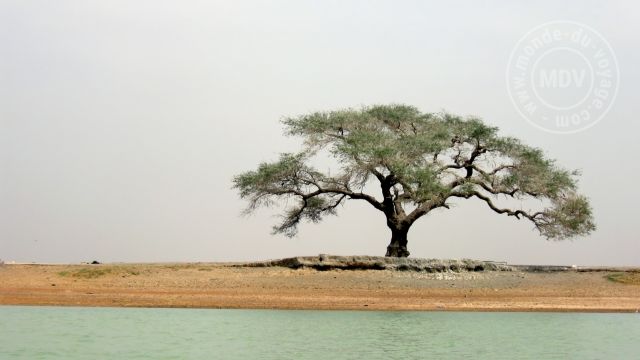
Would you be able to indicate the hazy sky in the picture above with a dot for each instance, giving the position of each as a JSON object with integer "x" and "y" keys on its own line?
{"x": 122, "y": 123}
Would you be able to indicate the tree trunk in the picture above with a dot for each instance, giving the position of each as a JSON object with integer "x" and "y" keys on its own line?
{"x": 398, "y": 245}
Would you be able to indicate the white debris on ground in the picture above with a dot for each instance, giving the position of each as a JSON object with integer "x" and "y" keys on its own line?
{"x": 443, "y": 276}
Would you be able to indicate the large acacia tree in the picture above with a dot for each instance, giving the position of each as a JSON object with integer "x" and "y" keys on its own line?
{"x": 419, "y": 162}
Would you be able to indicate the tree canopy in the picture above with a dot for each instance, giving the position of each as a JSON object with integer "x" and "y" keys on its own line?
{"x": 421, "y": 161}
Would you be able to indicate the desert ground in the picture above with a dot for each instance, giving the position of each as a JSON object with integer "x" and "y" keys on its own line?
{"x": 207, "y": 285}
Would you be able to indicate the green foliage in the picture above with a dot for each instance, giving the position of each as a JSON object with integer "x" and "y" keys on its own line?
{"x": 418, "y": 158}
{"x": 96, "y": 272}
{"x": 311, "y": 209}
{"x": 86, "y": 273}
{"x": 629, "y": 277}
{"x": 568, "y": 217}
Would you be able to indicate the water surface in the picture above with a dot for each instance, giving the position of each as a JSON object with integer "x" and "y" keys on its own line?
{"x": 120, "y": 333}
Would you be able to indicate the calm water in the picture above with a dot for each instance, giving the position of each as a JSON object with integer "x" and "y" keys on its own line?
{"x": 116, "y": 333}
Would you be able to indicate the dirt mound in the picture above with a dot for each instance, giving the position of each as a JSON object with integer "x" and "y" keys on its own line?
{"x": 333, "y": 262}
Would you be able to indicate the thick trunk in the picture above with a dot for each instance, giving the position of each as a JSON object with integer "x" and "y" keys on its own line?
{"x": 398, "y": 245}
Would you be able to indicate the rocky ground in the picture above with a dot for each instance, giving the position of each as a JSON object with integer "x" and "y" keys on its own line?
{"x": 292, "y": 284}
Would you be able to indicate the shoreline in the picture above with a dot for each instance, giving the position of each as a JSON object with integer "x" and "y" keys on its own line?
{"x": 461, "y": 310}
{"x": 225, "y": 286}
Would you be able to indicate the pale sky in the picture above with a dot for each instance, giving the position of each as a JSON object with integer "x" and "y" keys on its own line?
{"x": 122, "y": 123}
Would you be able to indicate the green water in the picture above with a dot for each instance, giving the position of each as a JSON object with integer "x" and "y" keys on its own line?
{"x": 117, "y": 333}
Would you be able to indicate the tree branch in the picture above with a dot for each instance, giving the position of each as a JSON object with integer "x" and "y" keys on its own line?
{"x": 492, "y": 206}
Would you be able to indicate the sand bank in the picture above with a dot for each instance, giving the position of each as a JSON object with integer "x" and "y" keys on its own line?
{"x": 206, "y": 285}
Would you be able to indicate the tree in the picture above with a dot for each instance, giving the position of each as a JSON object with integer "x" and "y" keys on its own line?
{"x": 420, "y": 162}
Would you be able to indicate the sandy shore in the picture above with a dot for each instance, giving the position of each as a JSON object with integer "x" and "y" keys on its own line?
{"x": 218, "y": 286}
